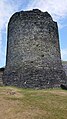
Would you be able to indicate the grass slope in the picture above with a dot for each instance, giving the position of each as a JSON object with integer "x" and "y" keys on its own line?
{"x": 16, "y": 103}
{"x": 64, "y": 62}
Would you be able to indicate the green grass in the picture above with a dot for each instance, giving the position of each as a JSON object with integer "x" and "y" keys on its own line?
{"x": 64, "y": 62}
{"x": 17, "y": 103}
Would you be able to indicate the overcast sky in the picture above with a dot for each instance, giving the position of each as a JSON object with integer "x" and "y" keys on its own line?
{"x": 57, "y": 8}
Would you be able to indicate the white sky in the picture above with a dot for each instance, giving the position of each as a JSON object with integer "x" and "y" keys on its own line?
{"x": 57, "y": 8}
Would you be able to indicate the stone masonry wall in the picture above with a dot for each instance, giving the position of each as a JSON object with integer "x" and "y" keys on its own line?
{"x": 1, "y": 74}
{"x": 33, "y": 52}
{"x": 65, "y": 66}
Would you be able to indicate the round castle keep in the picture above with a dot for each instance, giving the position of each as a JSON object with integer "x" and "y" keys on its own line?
{"x": 33, "y": 52}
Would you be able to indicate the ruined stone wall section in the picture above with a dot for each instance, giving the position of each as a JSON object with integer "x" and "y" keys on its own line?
{"x": 26, "y": 38}
{"x": 1, "y": 74}
{"x": 33, "y": 54}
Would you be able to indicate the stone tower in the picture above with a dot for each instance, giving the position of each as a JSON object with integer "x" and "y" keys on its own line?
{"x": 33, "y": 52}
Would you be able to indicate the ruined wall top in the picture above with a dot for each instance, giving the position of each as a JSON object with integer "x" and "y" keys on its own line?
{"x": 32, "y": 14}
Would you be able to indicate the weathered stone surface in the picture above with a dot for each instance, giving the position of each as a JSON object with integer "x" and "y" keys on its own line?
{"x": 33, "y": 52}
{"x": 63, "y": 86}
{"x": 1, "y": 74}
{"x": 65, "y": 66}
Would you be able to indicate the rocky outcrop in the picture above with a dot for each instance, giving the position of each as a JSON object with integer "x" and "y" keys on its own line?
{"x": 33, "y": 51}
{"x": 63, "y": 86}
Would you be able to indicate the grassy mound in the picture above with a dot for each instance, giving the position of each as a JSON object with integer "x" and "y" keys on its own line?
{"x": 17, "y": 103}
